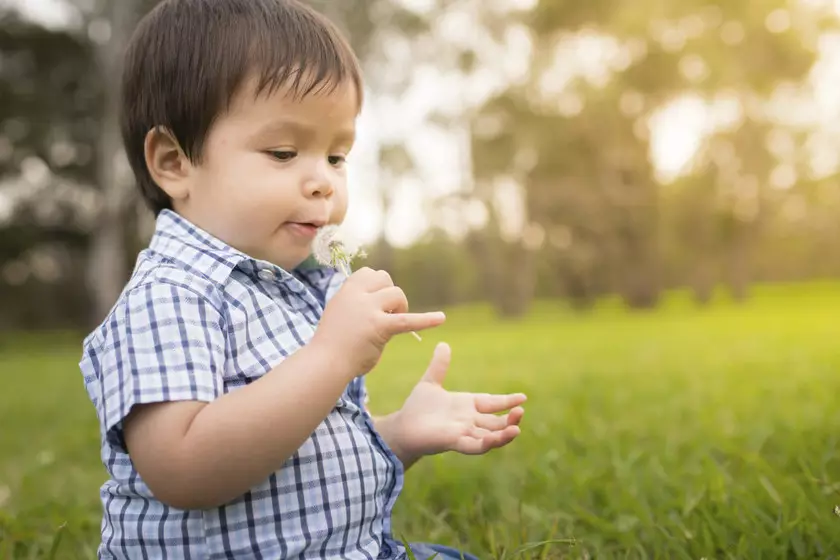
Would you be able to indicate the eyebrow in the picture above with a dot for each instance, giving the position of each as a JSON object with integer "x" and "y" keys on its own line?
{"x": 299, "y": 130}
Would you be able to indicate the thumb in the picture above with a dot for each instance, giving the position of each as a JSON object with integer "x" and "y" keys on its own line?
{"x": 439, "y": 365}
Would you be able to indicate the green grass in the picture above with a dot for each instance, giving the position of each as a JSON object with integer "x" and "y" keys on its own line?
{"x": 681, "y": 433}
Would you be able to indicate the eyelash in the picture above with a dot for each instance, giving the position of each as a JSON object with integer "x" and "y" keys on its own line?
{"x": 287, "y": 155}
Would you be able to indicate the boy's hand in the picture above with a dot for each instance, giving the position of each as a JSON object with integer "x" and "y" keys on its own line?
{"x": 362, "y": 317}
{"x": 434, "y": 420}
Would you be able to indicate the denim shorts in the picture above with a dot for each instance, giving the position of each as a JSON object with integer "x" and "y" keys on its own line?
{"x": 427, "y": 551}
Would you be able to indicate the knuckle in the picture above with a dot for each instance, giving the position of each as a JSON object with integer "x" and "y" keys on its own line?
{"x": 402, "y": 322}
{"x": 380, "y": 326}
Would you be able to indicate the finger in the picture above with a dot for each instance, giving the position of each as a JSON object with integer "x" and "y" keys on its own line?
{"x": 497, "y": 403}
{"x": 436, "y": 372}
{"x": 501, "y": 439}
{"x": 361, "y": 274}
{"x": 370, "y": 280}
{"x": 514, "y": 417}
{"x": 378, "y": 280}
{"x": 398, "y": 323}
{"x": 492, "y": 422}
{"x": 478, "y": 433}
{"x": 471, "y": 446}
{"x": 491, "y": 440}
{"x": 392, "y": 300}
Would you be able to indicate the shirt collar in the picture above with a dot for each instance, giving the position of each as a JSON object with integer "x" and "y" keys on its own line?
{"x": 178, "y": 240}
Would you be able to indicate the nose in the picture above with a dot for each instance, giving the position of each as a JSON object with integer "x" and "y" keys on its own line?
{"x": 319, "y": 182}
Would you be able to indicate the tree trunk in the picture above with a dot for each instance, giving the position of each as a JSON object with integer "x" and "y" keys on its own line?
{"x": 107, "y": 270}
{"x": 579, "y": 290}
{"x": 518, "y": 279}
{"x": 703, "y": 280}
{"x": 640, "y": 283}
{"x": 739, "y": 265}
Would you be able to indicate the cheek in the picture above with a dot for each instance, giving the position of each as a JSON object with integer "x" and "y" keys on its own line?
{"x": 247, "y": 192}
{"x": 341, "y": 197}
{"x": 250, "y": 182}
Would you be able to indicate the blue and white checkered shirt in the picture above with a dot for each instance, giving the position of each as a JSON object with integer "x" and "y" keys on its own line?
{"x": 199, "y": 319}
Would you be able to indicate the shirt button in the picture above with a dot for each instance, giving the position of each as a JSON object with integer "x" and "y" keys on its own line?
{"x": 266, "y": 275}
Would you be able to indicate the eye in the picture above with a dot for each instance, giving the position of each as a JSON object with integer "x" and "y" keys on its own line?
{"x": 337, "y": 160}
{"x": 283, "y": 155}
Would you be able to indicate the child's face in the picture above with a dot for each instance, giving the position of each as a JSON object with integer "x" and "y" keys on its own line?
{"x": 272, "y": 171}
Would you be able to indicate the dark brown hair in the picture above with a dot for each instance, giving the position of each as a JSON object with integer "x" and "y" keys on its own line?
{"x": 188, "y": 58}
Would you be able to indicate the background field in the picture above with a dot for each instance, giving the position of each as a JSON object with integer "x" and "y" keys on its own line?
{"x": 682, "y": 433}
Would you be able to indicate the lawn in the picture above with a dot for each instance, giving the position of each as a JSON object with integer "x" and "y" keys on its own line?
{"x": 682, "y": 433}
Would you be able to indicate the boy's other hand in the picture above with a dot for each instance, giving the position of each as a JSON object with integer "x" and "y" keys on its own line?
{"x": 364, "y": 315}
{"x": 434, "y": 420}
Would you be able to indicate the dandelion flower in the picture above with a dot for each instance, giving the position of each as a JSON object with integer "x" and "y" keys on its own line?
{"x": 329, "y": 250}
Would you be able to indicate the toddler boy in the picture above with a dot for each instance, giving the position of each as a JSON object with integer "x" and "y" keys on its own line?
{"x": 228, "y": 379}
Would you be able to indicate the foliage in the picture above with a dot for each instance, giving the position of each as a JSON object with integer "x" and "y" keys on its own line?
{"x": 581, "y": 147}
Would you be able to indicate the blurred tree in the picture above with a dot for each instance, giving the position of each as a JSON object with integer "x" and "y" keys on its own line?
{"x": 49, "y": 94}
{"x": 58, "y": 121}
{"x": 584, "y": 130}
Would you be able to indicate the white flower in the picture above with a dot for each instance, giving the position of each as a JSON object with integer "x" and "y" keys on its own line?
{"x": 331, "y": 250}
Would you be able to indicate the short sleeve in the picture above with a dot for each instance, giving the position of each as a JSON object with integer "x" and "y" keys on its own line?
{"x": 165, "y": 342}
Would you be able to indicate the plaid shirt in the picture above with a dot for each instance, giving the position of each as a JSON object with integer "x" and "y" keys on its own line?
{"x": 199, "y": 319}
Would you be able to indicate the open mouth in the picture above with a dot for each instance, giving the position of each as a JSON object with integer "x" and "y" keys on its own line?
{"x": 307, "y": 229}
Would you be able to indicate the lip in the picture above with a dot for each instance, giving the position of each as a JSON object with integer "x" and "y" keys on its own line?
{"x": 317, "y": 222}
{"x": 307, "y": 230}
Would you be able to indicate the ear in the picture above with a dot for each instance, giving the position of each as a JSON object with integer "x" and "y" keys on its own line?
{"x": 168, "y": 165}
